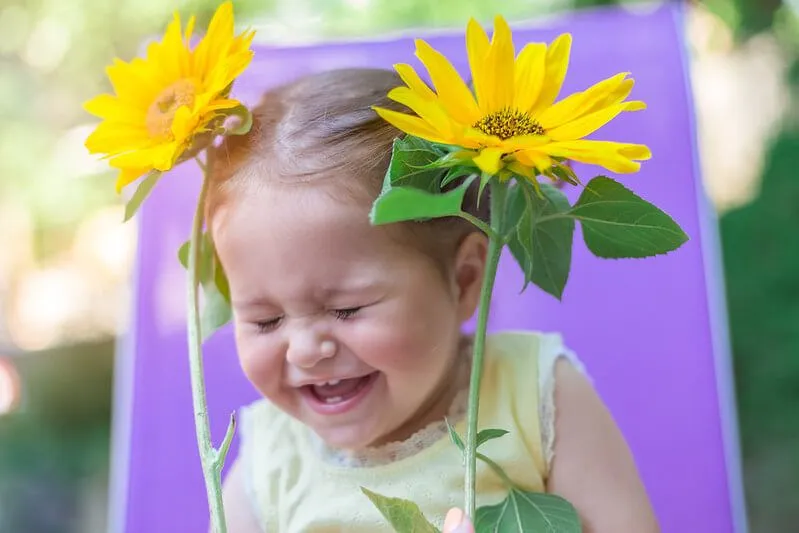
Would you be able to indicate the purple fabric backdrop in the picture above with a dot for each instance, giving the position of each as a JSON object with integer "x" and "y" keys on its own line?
{"x": 652, "y": 332}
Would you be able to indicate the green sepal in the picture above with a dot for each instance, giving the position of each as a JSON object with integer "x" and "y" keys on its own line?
{"x": 413, "y": 164}
{"x": 143, "y": 190}
{"x": 244, "y": 126}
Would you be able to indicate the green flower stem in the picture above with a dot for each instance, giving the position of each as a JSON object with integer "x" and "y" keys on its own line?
{"x": 495, "y": 244}
{"x": 485, "y": 228}
{"x": 211, "y": 459}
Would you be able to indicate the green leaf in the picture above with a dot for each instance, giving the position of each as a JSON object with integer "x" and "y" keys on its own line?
{"x": 526, "y": 512}
{"x": 142, "y": 192}
{"x": 220, "y": 280}
{"x": 204, "y": 262}
{"x": 619, "y": 224}
{"x": 414, "y": 164}
{"x": 542, "y": 244}
{"x": 397, "y": 204}
{"x": 485, "y": 435}
{"x": 403, "y": 515}
{"x": 216, "y": 311}
{"x": 183, "y": 254}
{"x": 455, "y": 438}
{"x": 245, "y": 124}
{"x": 515, "y": 206}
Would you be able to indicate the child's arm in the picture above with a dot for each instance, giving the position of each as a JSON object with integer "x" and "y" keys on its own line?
{"x": 592, "y": 466}
{"x": 238, "y": 509}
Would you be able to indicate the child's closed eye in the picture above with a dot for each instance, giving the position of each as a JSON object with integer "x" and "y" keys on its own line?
{"x": 265, "y": 326}
{"x": 348, "y": 312}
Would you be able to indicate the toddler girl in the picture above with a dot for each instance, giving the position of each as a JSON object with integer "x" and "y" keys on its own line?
{"x": 353, "y": 335}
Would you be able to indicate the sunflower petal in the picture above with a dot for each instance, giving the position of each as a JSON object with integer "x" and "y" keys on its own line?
{"x": 616, "y": 95}
{"x": 499, "y": 69}
{"x": 616, "y": 157}
{"x": 557, "y": 63}
{"x": 159, "y": 157}
{"x": 587, "y": 124}
{"x": 430, "y": 111}
{"x": 110, "y": 108}
{"x": 217, "y": 41}
{"x": 413, "y": 81}
{"x": 489, "y": 160}
{"x": 221, "y": 103}
{"x": 174, "y": 57}
{"x": 639, "y": 152}
{"x": 128, "y": 176}
{"x": 184, "y": 124}
{"x": 111, "y": 138}
{"x": 131, "y": 84}
{"x": 576, "y": 105}
{"x": 189, "y": 31}
{"x": 412, "y": 125}
{"x": 474, "y": 138}
{"x": 530, "y": 69}
{"x": 453, "y": 94}
{"x": 634, "y": 105}
{"x": 477, "y": 47}
{"x": 524, "y": 142}
{"x": 535, "y": 159}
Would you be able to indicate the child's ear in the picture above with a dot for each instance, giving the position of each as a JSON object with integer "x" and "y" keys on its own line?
{"x": 470, "y": 262}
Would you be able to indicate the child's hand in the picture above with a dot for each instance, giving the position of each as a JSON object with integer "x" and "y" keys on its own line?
{"x": 457, "y": 522}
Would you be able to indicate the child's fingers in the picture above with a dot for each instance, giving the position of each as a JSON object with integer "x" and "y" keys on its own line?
{"x": 457, "y": 522}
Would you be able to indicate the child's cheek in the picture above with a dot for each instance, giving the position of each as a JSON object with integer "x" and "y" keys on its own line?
{"x": 259, "y": 364}
{"x": 390, "y": 342}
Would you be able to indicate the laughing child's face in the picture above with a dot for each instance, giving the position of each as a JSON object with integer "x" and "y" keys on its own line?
{"x": 344, "y": 326}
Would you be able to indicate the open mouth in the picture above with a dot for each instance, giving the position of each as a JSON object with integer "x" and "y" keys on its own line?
{"x": 338, "y": 396}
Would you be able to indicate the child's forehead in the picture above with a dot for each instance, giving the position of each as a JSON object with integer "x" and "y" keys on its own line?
{"x": 314, "y": 203}
{"x": 304, "y": 215}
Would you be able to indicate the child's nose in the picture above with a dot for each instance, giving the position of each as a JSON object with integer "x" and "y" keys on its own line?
{"x": 307, "y": 348}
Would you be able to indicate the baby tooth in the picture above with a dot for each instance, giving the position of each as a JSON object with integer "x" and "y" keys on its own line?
{"x": 334, "y": 399}
{"x": 333, "y": 382}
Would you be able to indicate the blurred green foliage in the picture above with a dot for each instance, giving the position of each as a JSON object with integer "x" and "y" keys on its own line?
{"x": 52, "y": 56}
{"x": 761, "y": 258}
{"x": 58, "y": 440}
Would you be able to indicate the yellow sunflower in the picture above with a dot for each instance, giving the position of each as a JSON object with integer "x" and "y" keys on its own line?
{"x": 514, "y": 121}
{"x": 164, "y": 101}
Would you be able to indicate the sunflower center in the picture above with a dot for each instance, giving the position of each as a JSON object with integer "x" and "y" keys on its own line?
{"x": 162, "y": 111}
{"x": 509, "y": 123}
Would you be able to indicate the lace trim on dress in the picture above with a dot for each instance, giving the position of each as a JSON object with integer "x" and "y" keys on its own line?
{"x": 546, "y": 406}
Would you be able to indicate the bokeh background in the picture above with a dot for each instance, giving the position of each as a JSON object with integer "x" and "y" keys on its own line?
{"x": 66, "y": 258}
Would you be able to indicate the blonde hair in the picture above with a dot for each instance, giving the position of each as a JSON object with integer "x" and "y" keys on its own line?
{"x": 322, "y": 127}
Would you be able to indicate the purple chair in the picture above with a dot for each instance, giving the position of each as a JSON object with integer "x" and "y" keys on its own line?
{"x": 652, "y": 333}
